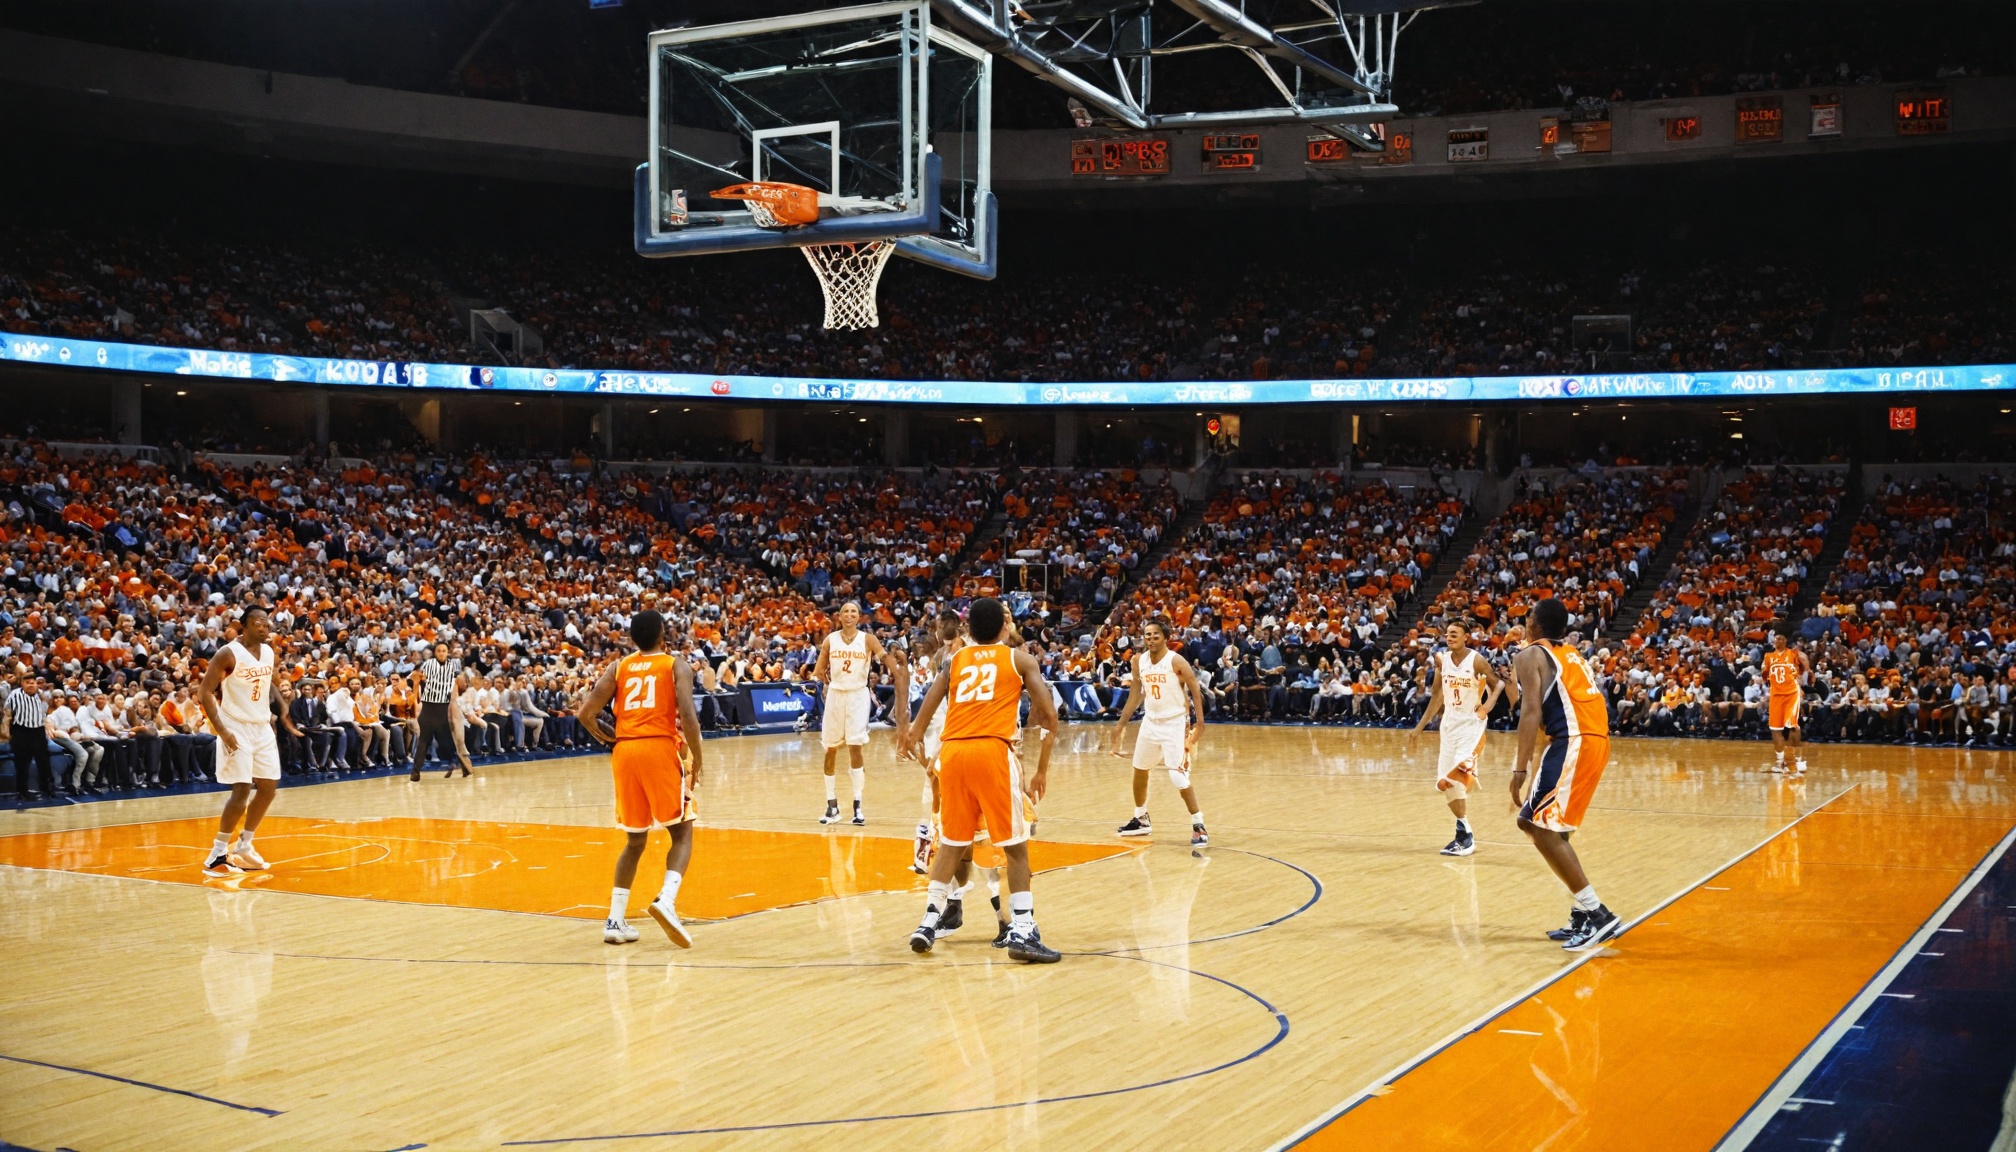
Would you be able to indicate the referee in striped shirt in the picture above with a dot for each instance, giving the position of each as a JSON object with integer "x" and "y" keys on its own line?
{"x": 440, "y": 680}
{"x": 28, "y": 736}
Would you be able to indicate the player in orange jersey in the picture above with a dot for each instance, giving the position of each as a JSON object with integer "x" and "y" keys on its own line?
{"x": 980, "y": 782}
{"x": 1786, "y": 672}
{"x": 655, "y": 766}
{"x": 1558, "y": 692}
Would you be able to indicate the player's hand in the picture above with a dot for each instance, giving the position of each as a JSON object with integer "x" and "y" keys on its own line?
{"x": 1483, "y": 713}
{"x": 230, "y": 741}
{"x": 1518, "y": 801}
{"x": 1190, "y": 741}
{"x": 1039, "y": 783}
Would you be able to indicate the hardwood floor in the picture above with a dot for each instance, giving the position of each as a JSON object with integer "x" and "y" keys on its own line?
{"x": 422, "y": 967}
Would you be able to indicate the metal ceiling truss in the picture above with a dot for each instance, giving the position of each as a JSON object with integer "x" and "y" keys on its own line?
{"x": 1331, "y": 62}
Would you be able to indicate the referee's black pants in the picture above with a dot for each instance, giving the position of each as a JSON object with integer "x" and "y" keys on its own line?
{"x": 437, "y": 732}
{"x": 31, "y": 746}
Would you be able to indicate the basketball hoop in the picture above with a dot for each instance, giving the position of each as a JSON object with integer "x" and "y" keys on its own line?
{"x": 848, "y": 272}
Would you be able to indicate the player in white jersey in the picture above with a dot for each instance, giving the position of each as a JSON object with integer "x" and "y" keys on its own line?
{"x": 1465, "y": 691}
{"x": 946, "y": 634}
{"x": 845, "y": 659}
{"x": 236, "y": 696}
{"x": 1165, "y": 687}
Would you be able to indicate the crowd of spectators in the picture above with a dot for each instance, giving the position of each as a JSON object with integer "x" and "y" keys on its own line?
{"x": 1914, "y": 635}
{"x": 1300, "y": 325}
{"x": 122, "y": 578}
{"x": 1585, "y": 538}
{"x": 759, "y": 313}
{"x": 1281, "y": 595}
{"x": 1692, "y": 663}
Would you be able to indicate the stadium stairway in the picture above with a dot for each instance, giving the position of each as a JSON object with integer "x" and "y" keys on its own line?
{"x": 1822, "y": 568}
{"x": 984, "y": 535}
{"x": 1193, "y": 515}
{"x": 1436, "y": 580}
{"x": 1664, "y": 561}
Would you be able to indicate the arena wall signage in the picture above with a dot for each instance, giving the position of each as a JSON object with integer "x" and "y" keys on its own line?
{"x": 261, "y": 366}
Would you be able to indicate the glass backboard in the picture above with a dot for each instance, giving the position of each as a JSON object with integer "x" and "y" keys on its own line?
{"x": 840, "y": 101}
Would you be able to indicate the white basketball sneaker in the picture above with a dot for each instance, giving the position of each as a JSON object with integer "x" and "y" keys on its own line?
{"x": 618, "y": 932}
{"x": 247, "y": 857}
{"x": 669, "y": 921}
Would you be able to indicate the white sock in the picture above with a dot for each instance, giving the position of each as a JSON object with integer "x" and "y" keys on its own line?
{"x": 1781, "y": 757}
{"x": 669, "y": 894}
{"x": 1197, "y": 818}
{"x": 1023, "y": 907}
{"x": 860, "y": 778}
{"x": 1140, "y": 812}
{"x": 963, "y": 889}
{"x": 830, "y": 793}
{"x": 221, "y": 846}
{"x": 244, "y": 838}
{"x": 939, "y": 893}
{"x": 619, "y": 904}
{"x": 1586, "y": 899}
{"x": 1462, "y": 824}
{"x": 993, "y": 883}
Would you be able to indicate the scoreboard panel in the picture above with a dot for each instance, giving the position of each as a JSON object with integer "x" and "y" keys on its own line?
{"x": 1231, "y": 151}
{"x": 1923, "y": 113}
{"x": 1120, "y": 156}
{"x": 1760, "y": 119}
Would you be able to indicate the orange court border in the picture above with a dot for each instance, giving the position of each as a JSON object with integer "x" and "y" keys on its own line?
{"x": 542, "y": 869}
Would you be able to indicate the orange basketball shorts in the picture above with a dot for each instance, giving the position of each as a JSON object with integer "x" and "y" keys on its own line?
{"x": 650, "y": 783}
{"x": 1570, "y": 769}
{"x": 980, "y": 786}
{"x": 1785, "y": 709}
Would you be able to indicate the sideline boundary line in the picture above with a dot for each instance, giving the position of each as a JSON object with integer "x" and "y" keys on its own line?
{"x": 1479, "y": 1024}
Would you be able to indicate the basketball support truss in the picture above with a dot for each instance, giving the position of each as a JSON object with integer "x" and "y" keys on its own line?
{"x": 1329, "y": 62}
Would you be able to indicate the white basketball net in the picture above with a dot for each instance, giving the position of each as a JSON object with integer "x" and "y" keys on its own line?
{"x": 848, "y": 274}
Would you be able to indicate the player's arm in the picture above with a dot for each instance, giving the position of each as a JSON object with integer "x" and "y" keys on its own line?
{"x": 1530, "y": 670}
{"x": 689, "y": 717}
{"x": 1126, "y": 710}
{"x": 908, "y": 738}
{"x": 1042, "y": 715}
{"x": 1805, "y": 671}
{"x": 1187, "y": 677}
{"x": 1494, "y": 687}
{"x": 899, "y": 671}
{"x": 604, "y": 690}
{"x": 819, "y": 665}
{"x": 221, "y": 665}
{"x": 1434, "y": 707}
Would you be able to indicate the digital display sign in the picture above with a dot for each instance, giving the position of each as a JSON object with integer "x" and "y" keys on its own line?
{"x": 204, "y": 363}
{"x": 1760, "y": 119}
{"x": 1327, "y": 149}
{"x": 1231, "y": 151}
{"x": 1924, "y": 113}
{"x": 1118, "y": 156}
{"x": 1903, "y": 419}
{"x": 1680, "y": 128}
{"x": 1469, "y": 144}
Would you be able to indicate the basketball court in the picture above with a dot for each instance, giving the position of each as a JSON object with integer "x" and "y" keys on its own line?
{"x": 421, "y": 966}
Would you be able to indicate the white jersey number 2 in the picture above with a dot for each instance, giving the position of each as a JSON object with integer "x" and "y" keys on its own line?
{"x": 976, "y": 682}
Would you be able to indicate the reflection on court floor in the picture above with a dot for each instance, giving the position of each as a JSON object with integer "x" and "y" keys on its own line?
{"x": 550, "y": 869}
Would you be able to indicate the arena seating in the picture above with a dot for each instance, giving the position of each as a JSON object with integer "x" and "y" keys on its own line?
{"x": 1304, "y": 564}
{"x": 1095, "y": 527}
{"x": 610, "y": 310}
{"x": 1585, "y": 538}
{"x": 1691, "y": 663}
{"x": 1915, "y": 626}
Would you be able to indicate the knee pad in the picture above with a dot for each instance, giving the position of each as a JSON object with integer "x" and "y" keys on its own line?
{"x": 1455, "y": 790}
{"x": 1180, "y": 777}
